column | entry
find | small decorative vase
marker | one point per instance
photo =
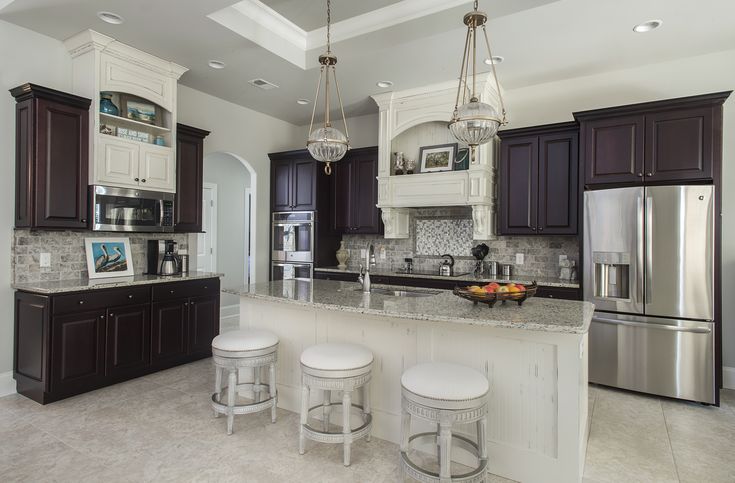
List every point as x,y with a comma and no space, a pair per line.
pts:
107,106
342,255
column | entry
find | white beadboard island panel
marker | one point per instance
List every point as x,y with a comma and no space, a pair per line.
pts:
537,368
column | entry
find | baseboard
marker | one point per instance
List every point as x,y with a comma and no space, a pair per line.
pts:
7,383
728,377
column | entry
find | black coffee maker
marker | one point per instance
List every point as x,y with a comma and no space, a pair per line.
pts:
163,258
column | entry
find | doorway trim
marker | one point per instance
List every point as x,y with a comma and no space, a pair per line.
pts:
213,223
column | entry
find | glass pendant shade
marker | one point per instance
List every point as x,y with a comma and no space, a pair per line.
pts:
327,144
475,123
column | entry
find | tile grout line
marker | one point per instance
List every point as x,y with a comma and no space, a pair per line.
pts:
671,445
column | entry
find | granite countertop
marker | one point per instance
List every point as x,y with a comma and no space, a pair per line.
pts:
85,284
539,314
523,279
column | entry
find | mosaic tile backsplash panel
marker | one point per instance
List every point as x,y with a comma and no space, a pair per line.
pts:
429,238
68,259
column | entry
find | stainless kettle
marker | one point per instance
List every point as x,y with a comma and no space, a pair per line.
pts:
446,269
171,264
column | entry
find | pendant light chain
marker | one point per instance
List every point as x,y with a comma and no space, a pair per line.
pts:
329,21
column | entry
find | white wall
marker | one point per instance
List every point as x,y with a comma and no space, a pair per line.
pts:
25,56
363,131
249,135
231,178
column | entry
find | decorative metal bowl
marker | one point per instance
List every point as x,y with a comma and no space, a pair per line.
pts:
492,298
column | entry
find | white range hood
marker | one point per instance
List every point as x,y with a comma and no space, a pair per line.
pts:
415,110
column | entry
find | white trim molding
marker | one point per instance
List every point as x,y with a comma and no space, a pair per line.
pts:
728,377
7,384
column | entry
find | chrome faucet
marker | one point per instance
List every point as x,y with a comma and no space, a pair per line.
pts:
364,277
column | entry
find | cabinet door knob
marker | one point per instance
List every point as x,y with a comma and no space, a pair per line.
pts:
205,287
102,316
143,180
81,302
192,303
111,314
137,179
84,220
649,174
171,291
533,228
130,296
640,175
541,228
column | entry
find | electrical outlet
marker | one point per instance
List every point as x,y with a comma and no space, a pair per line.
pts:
383,255
363,253
562,258
519,258
45,260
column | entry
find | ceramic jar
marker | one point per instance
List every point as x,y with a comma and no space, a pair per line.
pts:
342,255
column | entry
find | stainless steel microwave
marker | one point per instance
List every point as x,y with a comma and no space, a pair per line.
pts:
123,209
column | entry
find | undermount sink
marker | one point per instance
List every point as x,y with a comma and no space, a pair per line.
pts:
402,293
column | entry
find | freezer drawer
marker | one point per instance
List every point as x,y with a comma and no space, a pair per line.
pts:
668,357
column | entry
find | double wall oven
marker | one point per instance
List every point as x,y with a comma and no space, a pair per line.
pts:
292,240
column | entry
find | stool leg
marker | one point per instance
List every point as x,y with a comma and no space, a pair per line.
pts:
445,449
256,383
304,417
217,386
405,428
231,390
346,427
272,386
326,409
482,438
366,406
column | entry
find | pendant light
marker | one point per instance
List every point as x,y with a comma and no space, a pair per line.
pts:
474,122
327,144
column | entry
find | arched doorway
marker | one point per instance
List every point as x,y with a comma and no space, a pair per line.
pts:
230,219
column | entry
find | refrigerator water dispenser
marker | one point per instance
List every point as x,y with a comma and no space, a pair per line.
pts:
612,271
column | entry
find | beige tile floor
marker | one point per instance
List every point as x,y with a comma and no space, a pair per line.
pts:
160,428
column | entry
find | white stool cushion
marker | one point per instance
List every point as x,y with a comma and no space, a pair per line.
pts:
336,357
445,381
245,340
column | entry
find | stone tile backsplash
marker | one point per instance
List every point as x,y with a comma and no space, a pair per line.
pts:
435,231
68,259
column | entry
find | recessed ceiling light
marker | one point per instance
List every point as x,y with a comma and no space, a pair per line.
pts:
495,59
303,102
110,17
647,26
384,84
216,64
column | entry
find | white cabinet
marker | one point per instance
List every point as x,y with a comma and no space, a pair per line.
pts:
131,164
125,155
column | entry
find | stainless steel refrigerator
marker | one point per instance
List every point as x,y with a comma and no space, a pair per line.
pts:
649,270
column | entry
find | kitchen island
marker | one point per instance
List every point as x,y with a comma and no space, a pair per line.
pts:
534,356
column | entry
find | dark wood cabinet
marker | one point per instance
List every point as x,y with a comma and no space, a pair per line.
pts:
675,140
354,193
67,344
77,351
128,339
189,178
52,158
538,180
293,181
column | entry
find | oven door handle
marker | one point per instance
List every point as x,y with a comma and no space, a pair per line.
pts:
674,328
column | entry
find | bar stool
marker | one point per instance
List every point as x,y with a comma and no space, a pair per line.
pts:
231,351
336,367
444,394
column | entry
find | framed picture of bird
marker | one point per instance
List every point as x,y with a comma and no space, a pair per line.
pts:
108,257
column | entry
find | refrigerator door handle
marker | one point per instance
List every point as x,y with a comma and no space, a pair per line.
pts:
649,250
641,240
674,328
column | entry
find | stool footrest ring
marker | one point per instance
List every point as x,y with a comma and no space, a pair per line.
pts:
420,474
339,437
246,408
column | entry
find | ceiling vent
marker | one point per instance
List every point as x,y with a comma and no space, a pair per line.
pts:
263,84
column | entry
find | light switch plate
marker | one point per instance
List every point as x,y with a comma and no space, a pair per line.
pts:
45,260
519,258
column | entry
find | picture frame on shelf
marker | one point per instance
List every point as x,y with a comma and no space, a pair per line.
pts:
141,110
462,161
108,257
439,157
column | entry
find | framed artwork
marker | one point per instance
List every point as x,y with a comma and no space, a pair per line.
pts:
108,257
139,109
437,158
463,159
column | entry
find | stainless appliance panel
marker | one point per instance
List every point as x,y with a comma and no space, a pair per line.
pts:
291,271
613,249
131,210
680,252
292,236
668,357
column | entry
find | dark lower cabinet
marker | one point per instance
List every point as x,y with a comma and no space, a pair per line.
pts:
189,178
68,344
52,157
538,187
77,352
675,140
128,340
